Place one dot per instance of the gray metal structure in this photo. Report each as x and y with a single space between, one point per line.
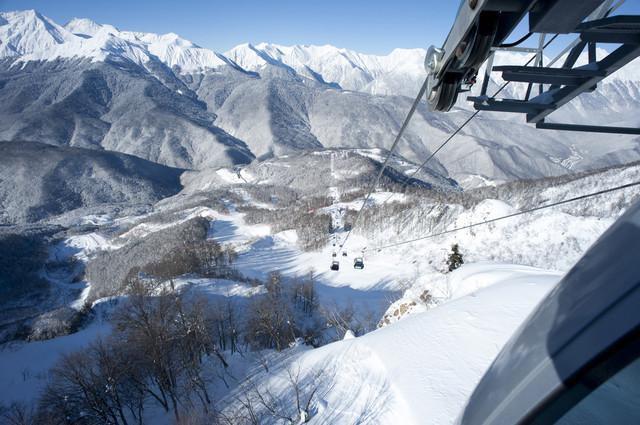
583 333
482 26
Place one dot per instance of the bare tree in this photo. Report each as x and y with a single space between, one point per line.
17 414
94 386
271 323
260 404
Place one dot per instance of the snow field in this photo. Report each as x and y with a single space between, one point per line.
422 369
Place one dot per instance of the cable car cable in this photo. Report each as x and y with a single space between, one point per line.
401 132
407 119
493 220
455 133
517 42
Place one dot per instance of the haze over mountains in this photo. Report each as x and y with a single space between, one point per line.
164 99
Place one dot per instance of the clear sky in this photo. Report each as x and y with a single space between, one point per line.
368 26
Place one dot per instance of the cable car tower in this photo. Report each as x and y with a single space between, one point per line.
482 27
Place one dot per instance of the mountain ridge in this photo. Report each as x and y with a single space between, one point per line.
167 99
399 72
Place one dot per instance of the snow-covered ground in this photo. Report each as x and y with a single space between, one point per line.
25 365
439 333
370 291
422 369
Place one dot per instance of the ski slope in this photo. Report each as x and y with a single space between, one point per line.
27 375
369 291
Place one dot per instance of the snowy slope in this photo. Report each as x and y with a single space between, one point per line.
422 369
413 368
400 72
406 370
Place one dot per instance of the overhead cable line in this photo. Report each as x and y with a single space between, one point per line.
462 126
493 220
416 102
373 186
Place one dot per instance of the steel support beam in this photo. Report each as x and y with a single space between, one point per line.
588 128
610 64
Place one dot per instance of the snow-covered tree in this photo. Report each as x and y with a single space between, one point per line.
455 258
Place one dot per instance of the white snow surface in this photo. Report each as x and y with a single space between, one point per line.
423 363
423 366
30 361
79 246
426 365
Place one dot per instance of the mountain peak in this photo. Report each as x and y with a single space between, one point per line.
88 28
27 35
26 31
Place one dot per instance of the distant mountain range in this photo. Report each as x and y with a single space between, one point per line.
166 100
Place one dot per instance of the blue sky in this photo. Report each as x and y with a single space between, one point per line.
369 26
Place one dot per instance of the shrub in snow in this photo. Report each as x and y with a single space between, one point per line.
62 321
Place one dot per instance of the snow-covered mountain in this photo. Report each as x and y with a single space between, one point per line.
400 72
32 36
264 100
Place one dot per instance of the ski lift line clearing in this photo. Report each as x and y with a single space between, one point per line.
527 211
359 261
407 120
335 265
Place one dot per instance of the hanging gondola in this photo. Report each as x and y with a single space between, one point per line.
335 265
358 263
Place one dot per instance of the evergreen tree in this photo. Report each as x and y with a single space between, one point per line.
455 258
